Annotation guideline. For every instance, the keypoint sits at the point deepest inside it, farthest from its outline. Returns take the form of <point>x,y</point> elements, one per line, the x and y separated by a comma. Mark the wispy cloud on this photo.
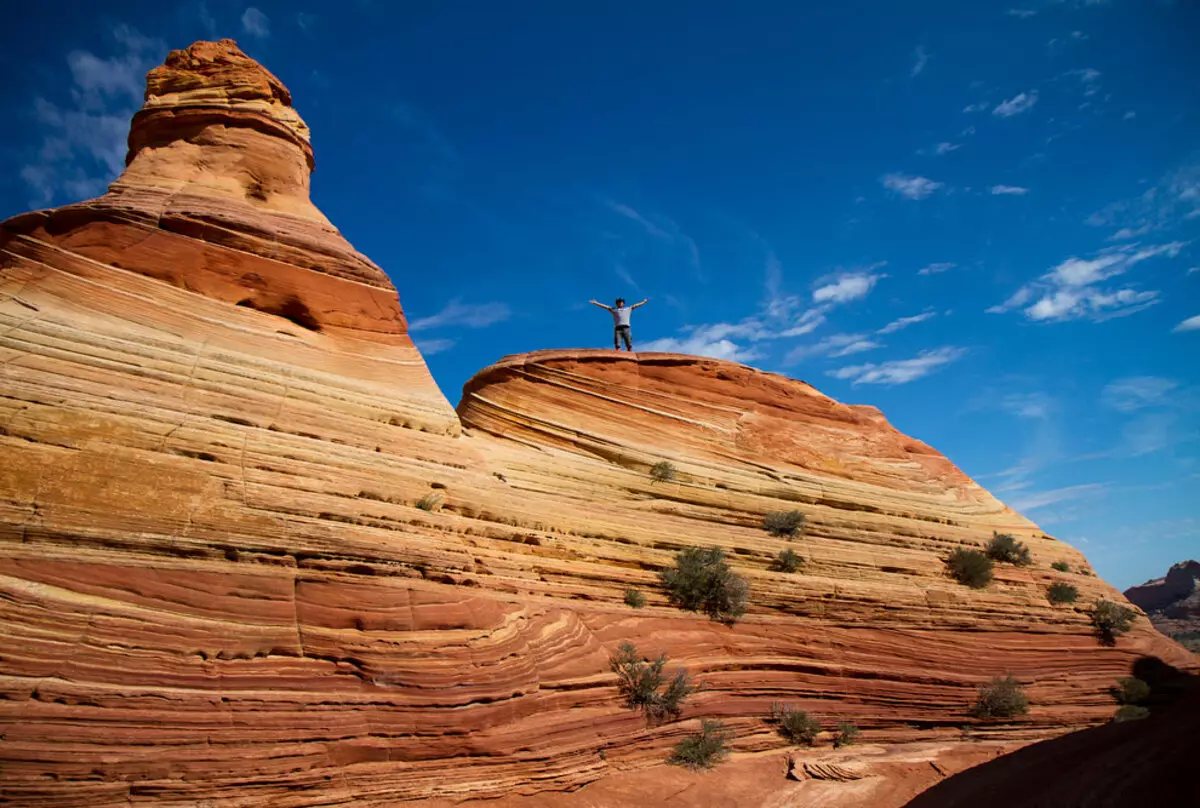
<point>910,187</point>
<point>1033,501</point>
<point>920,59</point>
<point>946,147</point>
<point>255,23</point>
<point>1089,77</point>
<point>900,371</point>
<point>429,347</point>
<point>1069,291</point>
<point>905,322</point>
<point>1174,199</point>
<point>979,107</point>
<point>464,315</point>
<point>1133,393</point>
<point>1022,13</point>
<point>1036,406</point>
<point>84,143</point>
<point>1190,324</point>
<point>1022,102</point>
<point>835,345</point>
<point>662,228</point>
<point>1129,115</point>
<point>844,287</point>
<point>937,268</point>
<point>1008,190</point>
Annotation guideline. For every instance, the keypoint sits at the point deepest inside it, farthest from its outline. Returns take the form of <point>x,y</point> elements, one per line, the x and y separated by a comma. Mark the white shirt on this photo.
<point>621,315</point>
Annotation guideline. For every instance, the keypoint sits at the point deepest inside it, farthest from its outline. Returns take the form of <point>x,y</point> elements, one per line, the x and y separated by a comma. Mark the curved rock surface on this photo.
<point>216,587</point>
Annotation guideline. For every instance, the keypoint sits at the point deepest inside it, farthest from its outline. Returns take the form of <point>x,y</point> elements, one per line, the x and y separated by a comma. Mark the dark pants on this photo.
<point>621,332</point>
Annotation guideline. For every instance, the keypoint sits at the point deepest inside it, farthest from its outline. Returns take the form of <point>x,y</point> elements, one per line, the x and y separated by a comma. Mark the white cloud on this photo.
<point>1029,502</point>
<point>709,340</point>
<point>834,345</point>
<point>1008,190</point>
<point>1022,13</point>
<point>467,315</point>
<point>255,23</point>
<point>1136,392</point>
<point>1022,102</point>
<point>1190,324</point>
<point>920,59</point>
<point>900,371</point>
<point>1069,292</point>
<point>660,227</point>
<point>84,142</point>
<point>934,269</point>
<point>910,187</point>
<point>429,347</point>
<point>847,286</point>
<point>905,322</point>
<point>946,148</point>
<point>979,107</point>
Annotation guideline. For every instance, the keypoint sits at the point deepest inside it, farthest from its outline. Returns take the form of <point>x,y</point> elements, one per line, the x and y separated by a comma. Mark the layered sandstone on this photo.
<point>215,584</point>
<point>1173,602</point>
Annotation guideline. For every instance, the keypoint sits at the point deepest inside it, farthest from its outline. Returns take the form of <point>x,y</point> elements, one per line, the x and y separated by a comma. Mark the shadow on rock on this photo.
<point>1134,763</point>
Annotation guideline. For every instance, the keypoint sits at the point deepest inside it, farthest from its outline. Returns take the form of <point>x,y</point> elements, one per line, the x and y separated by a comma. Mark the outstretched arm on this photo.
<point>601,305</point>
<point>644,302</point>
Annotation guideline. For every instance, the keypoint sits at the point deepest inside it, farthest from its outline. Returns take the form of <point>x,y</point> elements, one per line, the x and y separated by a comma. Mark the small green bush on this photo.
<point>787,561</point>
<point>1131,690</point>
<point>662,472</point>
<point>783,523</point>
<point>1061,566</point>
<point>640,681</point>
<point>1003,697</point>
<point>703,750</point>
<point>970,567</point>
<point>1062,592</point>
<point>1131,712</point>
<point>701,581</point>
<point>634,598</point>
<point>1005,548</point>
<point>1111,619</point>
<point>431,502</point>
<point>795,725</point>
<point>847,734</point>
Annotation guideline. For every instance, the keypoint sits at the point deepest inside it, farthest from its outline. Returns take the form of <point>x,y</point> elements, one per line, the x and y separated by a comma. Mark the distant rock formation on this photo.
<point>1173,603</point>
<point>249,554</point>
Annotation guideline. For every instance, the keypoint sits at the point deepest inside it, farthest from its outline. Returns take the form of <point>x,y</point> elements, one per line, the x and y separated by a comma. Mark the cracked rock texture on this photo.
<point>216,587</point>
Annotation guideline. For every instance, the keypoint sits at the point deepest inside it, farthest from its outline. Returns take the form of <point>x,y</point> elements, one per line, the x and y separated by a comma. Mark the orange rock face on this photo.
<point>217,586</point>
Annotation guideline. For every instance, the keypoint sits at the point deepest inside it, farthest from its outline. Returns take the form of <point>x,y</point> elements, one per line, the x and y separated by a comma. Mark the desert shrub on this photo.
<point>1062,592</point>
<point>701,581</point>
<point>1061,566</point>
<point>640,681</point>
<point>1003,697</point>
<point>783,523</point>
<point>662,472</point>
<point>847,734</point>
<point>703,750</point>
<point>787,561</point>
<point>1131,690</point>
<point>1130,712</point>
<point>1005,548</point>
<point>1111,619</point>
<point>431,502</point>
<point>795,725</point>
<point>634,598</point>
<point>970,567</point>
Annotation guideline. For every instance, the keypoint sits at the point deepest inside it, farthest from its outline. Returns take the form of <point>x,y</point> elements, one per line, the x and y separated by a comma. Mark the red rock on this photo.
<point>215,586</point>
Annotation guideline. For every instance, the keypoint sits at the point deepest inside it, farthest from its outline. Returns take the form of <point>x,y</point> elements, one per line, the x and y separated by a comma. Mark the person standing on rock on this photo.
<point>621,314</point>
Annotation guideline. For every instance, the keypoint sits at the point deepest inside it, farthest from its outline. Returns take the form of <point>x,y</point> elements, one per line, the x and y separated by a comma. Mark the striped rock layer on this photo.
<point>217,587</point>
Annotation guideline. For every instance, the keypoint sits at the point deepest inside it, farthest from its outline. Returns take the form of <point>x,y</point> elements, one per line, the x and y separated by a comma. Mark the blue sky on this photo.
<point>983,218</point>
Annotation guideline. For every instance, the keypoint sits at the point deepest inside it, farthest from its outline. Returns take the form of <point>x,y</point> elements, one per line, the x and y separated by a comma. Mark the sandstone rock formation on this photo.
<point>215,587</point>
<point>1173,602</point>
